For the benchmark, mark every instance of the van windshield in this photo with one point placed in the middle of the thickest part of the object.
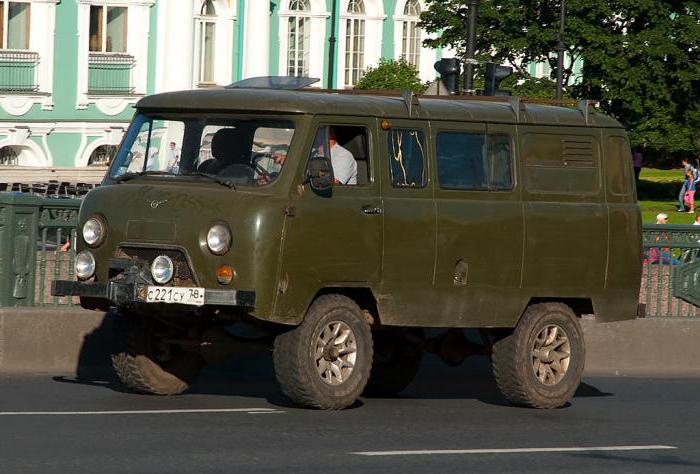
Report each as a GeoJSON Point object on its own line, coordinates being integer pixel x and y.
{"type": "Point", "coordinates": [243, 151]}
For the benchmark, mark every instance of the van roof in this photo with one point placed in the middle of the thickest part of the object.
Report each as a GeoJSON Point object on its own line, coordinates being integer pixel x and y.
{"type": "Point", "coordinates": [320, 102]}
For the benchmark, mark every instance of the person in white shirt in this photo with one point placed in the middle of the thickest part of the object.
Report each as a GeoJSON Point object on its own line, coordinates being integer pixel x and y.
{"type": "Point", "coordinates": [344, 164]}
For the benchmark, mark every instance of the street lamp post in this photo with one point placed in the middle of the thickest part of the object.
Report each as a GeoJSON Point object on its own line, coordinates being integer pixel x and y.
{"type": "Point", "coordinates": [331, 47]}
{"type": "Point", "coordinates": [560, 50]}
{"type": "Point", "coordinates": [471, 46]}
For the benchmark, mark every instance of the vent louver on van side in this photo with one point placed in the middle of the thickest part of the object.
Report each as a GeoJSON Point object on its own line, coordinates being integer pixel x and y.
{"type": "Point", "coordinates": [578, 153]}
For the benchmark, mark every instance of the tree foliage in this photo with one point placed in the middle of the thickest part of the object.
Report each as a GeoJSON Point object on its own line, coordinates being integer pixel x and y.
{"type": "Point", "coordinates": [392, 74]}
{"type": "Point", "coordinates": [641, 58]}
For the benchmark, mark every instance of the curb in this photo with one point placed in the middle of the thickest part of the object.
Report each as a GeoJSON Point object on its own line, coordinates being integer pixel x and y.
{"type": "Point", "coordinates": [77, 341]}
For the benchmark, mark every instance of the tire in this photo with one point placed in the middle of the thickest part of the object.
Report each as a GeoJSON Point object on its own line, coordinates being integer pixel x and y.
{"type": "Point", "coordinates": [522, 377]}
{"type": "Point", "coordinates": [141, 368]}
{"type": "Point", "coordinates": [311, 382]}
{"type": "Point", "coordinates": [395, 364]}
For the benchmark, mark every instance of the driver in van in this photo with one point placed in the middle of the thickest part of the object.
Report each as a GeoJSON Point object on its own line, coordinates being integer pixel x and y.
{"type": "Point", "coordinates": [344, 164]}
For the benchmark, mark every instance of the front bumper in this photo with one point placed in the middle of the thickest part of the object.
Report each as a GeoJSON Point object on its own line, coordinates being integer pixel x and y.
{"type": "Point", "coordinates": [122, 293]}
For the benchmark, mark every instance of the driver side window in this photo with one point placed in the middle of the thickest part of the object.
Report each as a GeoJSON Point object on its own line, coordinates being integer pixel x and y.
{"type": "Point", "coordinates": [346, 147]}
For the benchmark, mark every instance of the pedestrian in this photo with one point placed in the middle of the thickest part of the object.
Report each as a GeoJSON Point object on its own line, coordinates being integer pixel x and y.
{"type": "Point", "coordinates": [697, 220]}
{"type": "Point", "coordinates": [681, 194]}
{"type": "Point", "coordinates": [689, 197]}
{"type": "Point", "coordinates": [638, 161]}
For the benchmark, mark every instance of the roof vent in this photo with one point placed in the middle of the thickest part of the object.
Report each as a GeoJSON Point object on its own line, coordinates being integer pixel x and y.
{"type": "Point", "coordinates": [287, 83]}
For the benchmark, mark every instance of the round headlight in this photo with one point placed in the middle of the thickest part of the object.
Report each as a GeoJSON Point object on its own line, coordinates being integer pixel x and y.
{"type": "Point", "coordinates": [162, 269]}
{"type": "Point", "coordinates": [93, 231]}
{"type": "Point", "coordinates": [219, 239]}
{"type": "Point", "coordinates": [84, 265]}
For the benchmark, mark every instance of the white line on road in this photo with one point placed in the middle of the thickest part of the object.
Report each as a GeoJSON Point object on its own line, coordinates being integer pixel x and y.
{"type": "Point", "coordinates": [516, 450]}
{"type": "Point", "coordinates": [141, 412]}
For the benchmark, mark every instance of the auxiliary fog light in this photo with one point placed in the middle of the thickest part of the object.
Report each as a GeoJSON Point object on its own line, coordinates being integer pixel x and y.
{"type": "Point", "coordinates": [224, 274]}
{"type": "Point", "coordinates": [219, 239]}
{"type": "Point", "coordinates": [162, 269]}
{"type": "Point", "coordinates": [84, 265]}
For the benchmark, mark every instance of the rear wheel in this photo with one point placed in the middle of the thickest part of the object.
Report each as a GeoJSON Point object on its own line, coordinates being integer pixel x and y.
{"type": "Point", "coordinates": [145, 361]}
{"type": "Point", "coordinates": [325, 362]}
{"type": "Point", "coordinates": [540, 364]}
{"type": "Point", "coordinates": [397, 358]}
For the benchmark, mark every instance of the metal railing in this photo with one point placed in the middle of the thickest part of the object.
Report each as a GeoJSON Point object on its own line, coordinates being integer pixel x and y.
{"type": "Point", "coordinates": [671, 271]}
{"type": "Point", "coordinates": [18, 71]}
{"type": "Point", "coordinates": [37, 242]}
{"type": "Point", "coordinates": [110, 74]}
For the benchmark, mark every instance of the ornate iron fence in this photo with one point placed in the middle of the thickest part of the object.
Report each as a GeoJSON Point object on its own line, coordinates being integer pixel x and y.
{"type": "Point", "coordinates": [18, 71]}
{"type": "Point", "coordinates": [37, 241]}
{"type": "Point", "coordinates": [671, 272]}
{"type": "Point", "coordinates": [110, 74]}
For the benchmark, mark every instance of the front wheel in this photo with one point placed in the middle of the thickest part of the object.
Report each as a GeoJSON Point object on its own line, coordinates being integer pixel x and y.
{"type": "Point", "coordinates": [540, 364]}
{"type": "Point", "coordinates": [325, 361]}
{"type": "Point", "coordinates": [146, 362]}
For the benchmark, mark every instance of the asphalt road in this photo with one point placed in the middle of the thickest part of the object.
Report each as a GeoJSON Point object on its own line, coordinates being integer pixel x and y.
{"type": "Point", "coordinates": [238, 421]}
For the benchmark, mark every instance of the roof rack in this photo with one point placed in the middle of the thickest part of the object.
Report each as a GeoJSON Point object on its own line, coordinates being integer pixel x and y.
{"type": "Point", "coordinates": [289, 83]}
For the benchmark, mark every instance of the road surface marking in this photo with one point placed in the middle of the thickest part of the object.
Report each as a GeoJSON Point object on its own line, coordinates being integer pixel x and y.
{"type": "Point", "coordinates": [516, 450]}
{"type": "Point", "coordinates": [141, 412]}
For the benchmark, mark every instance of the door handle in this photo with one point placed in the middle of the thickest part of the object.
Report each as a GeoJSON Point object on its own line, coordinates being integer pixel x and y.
{"type": "Point", "coordinates": [371, 210]}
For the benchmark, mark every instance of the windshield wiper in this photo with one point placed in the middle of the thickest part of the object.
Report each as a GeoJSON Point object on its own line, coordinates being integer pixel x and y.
{"type": "Point", "coordinates": [217, 179]}
{"type": "Point", "coordinates": [128, 176]}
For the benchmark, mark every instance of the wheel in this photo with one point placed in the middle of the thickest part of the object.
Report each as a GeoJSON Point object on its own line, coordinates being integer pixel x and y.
{"type": "Point", "coordinates": [540, 363]}
{"type": "Point", "coordinates": [396, 362]}
{"type": "Point", "coordinates": [325, 361]}
{"type": "Point", "coordinates": [145, 363]}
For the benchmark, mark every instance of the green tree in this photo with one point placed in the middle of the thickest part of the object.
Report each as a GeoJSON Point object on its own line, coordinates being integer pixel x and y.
{"type": "Point", "coordinates": [392, 74]}
{"type": "Point", "coordinates": [641, 58]}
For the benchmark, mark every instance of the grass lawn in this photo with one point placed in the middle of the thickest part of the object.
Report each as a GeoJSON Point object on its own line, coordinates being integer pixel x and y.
{"type": "Point", "coordinates": [658, 190]}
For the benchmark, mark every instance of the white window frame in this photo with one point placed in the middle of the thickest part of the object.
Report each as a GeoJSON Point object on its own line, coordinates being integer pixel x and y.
{"type": "Point", "coordinates": [138, 31]}
{"type": "Point", "coordinates": [103, 41]}
{"type": "Point", "coordinates": [223, 42]}
{"type": "Point", "coordinates": [373, 30]}
{"type": "Point", "coordinates": [426, 56]}
{"type": "Point", "coordinates": [204, 20]}
{"type": "Point", "coordinates": [6, 25]}
{"type": "Point", "coordinates": [42, 27]}
{"type": "Point", "coordinates": [316, 32]}
{"type": "Point", "coordinates": [301, 46]}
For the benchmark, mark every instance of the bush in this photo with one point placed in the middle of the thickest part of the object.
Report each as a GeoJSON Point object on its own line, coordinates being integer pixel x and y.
{"type": "Point", "coordinates": [392, 74]}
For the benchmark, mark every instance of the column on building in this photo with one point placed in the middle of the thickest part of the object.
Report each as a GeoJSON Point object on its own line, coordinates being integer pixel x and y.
{"type": "Point", "coordinates": [256, 49]}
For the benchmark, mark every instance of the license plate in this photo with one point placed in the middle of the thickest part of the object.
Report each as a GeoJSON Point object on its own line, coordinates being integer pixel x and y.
{"type": "Point", "coordinates": [179, 295]}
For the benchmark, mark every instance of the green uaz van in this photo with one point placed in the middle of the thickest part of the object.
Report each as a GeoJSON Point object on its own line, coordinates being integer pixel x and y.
{"type": "Point", "coordinates": [347, 225]}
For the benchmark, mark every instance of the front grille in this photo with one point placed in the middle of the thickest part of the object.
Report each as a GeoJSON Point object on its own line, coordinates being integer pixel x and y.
{"type": "Point", "coordinates": [144, 256]}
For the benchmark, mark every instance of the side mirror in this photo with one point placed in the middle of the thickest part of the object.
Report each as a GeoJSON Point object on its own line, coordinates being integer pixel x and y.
{"type": "Point", "coordinates": [320, 174]}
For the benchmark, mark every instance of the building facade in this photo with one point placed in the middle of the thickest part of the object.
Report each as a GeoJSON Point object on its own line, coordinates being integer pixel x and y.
{"type": "Point", "coordinates": [71, 70]}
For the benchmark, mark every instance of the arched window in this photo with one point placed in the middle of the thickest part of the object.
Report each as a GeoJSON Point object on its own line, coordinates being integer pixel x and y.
{"type": "Point", "coordinates": [410, 38]}
{"type": "Point", "coordinates": [102, 155]}
{"type": "Point", "coordinates": [354, 42]}
{"type": "Point", "coordinates": [298, 38]}
{"type": "Point", "coordinates": [20, 155]}
{"type": "Point", "coordinates": [9, 156]}
{"type": "Point", "coordinates": [207, 27]}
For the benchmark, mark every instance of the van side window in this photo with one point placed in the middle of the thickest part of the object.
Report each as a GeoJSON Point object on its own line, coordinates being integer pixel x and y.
{"type": "Point", "coordinates": [619, 166]}
{"type": "Point", "coordinates": [461, 160]}
{"type": "Point", "coordinates": [407, 158]}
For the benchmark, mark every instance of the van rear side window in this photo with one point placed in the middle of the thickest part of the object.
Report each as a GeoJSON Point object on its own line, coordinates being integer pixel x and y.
{"type": "Point", "coordinates": [474, 161]}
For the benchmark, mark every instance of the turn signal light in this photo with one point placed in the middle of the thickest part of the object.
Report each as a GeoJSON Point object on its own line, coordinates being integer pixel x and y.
{"type": "Point", "coordinates": [224, 274]}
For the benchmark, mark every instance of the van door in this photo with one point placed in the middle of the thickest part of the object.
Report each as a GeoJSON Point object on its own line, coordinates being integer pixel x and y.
{"type": "Point", "coordinates": [480, 225]}
{"type": "Point", "coordinates": [406, 296]}
{"type": "Point", "coordinates": [566, 220]}
{"type": "Point", "coordinates": [332, 239]}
